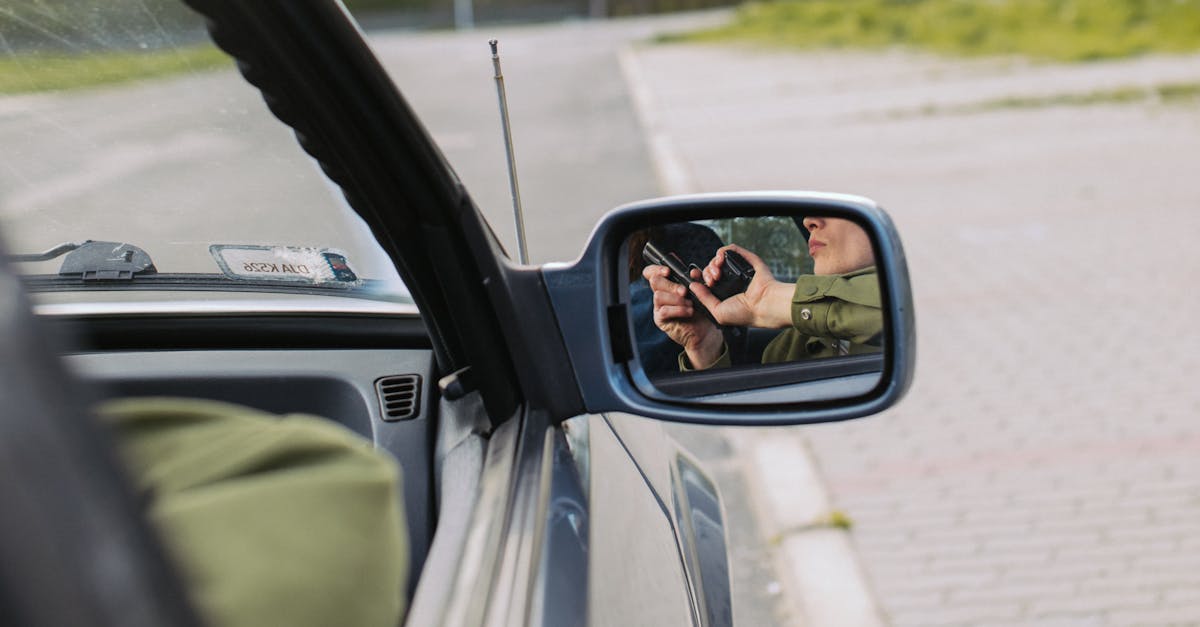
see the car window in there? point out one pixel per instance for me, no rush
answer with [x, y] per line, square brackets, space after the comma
[779, 240]
[122, 124]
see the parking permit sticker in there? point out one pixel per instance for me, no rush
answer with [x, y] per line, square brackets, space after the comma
[283, 263]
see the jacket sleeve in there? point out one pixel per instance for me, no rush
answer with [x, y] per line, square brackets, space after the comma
[724, 361]
[846, 307]
[842, 306]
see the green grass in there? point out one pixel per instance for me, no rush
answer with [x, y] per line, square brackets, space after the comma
[1167, 93]
[1057, 30]
[1178, 91]
[834, 519]
[38, 73]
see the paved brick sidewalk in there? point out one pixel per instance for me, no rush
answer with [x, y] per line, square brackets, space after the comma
[1045, 468]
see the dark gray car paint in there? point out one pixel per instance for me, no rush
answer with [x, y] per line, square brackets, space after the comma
[683, 498]
[700, 521]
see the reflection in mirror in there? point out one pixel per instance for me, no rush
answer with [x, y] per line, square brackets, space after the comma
[722, 307]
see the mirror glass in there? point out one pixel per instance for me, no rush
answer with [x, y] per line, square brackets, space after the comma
[762, 309]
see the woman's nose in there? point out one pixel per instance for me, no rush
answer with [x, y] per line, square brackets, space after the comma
[813, 224]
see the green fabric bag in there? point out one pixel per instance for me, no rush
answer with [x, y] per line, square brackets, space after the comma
[273, 520]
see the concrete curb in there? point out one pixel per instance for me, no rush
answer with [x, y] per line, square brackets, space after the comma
[821, 573]
[818, 562]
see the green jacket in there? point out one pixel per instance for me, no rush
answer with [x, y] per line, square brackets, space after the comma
[273, 520]
[839, 314]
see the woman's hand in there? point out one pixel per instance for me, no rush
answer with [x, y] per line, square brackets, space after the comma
[675, 314]
[766, 303]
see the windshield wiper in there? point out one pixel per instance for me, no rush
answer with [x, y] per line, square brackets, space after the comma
[119, 266]
[96, 261]
[57, 251]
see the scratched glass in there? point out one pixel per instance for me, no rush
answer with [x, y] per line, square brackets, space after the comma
[122, 124]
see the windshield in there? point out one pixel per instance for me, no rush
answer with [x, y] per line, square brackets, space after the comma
[136, 158]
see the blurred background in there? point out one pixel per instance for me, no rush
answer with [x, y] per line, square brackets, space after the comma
[1040, 158]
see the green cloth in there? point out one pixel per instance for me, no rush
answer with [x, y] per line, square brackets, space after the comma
[845, 306]
[835, 314]
[831, 315]
[273, 520]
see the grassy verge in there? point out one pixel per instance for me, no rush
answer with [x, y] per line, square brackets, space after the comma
[1058, 30]
[37, 73]
[1167, 93]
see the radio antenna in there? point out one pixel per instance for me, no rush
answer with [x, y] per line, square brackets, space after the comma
[522, 250]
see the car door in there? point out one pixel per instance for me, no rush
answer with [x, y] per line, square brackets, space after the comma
[536, 538]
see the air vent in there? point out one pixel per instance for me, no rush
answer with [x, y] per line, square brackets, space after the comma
[399, 396]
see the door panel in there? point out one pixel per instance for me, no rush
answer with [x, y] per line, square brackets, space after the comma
[636, 575]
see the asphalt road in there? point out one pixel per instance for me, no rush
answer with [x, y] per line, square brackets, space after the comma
[171, 165]
[578, 145]
[147, 162]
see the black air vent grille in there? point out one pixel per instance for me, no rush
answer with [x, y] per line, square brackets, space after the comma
[399, 396]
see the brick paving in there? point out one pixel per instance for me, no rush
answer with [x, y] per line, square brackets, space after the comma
[1045, 467]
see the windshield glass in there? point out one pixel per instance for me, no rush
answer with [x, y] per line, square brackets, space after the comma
[124, 127]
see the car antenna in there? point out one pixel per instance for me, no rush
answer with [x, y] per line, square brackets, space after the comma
[522, 250]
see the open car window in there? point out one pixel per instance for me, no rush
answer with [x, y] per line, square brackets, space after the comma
[138, 165]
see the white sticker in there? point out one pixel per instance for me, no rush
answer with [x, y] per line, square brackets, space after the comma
[283, 263]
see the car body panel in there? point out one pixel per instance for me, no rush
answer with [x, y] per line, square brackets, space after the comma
[629, 525]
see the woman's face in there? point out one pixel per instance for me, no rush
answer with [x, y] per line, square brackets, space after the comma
[838, 246]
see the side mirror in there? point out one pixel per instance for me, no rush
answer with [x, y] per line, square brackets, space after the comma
[739, 309]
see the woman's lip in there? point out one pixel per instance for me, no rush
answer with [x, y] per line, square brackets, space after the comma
[813, 245]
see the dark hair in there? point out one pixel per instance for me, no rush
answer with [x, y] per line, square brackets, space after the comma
[694, 243]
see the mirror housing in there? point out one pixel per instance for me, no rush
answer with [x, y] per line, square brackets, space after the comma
[590, 301]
